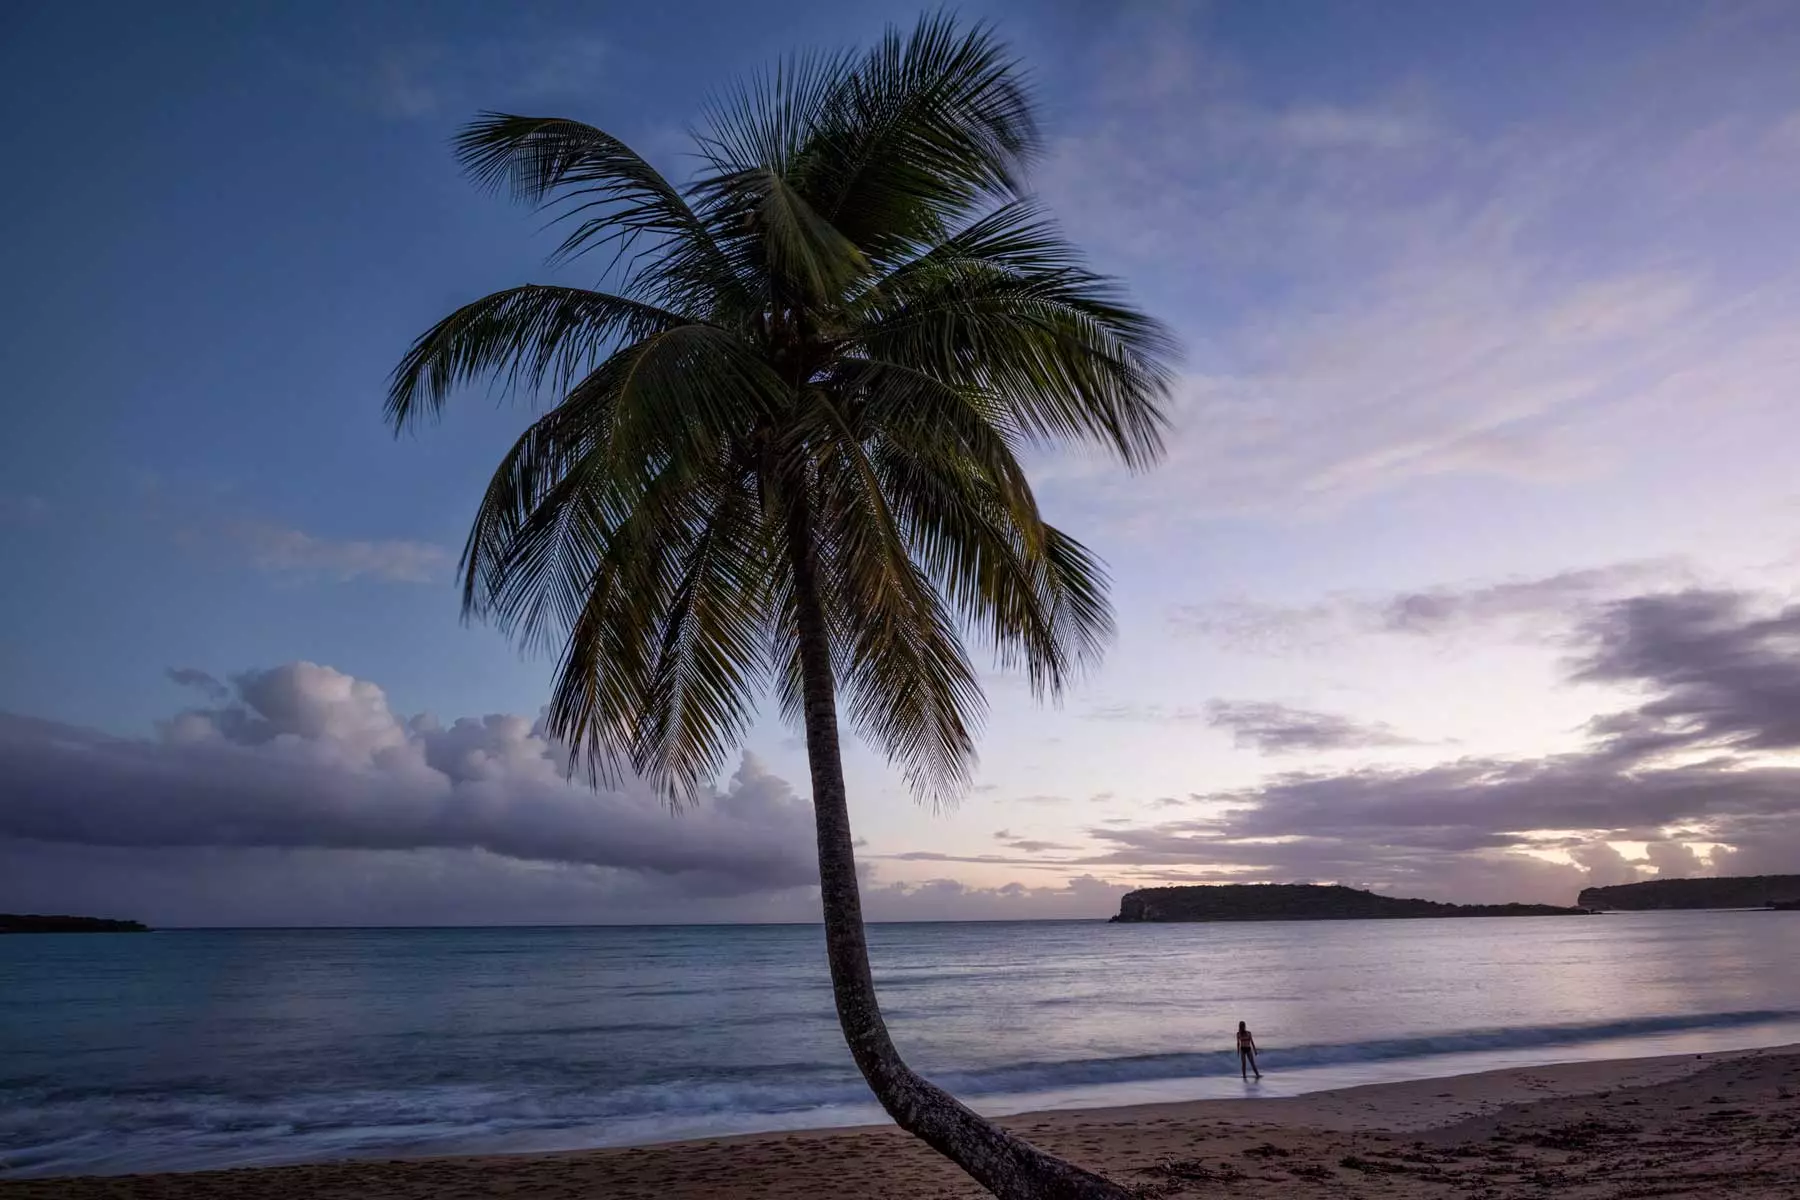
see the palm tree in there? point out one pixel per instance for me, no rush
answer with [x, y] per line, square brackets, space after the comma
[786, 453]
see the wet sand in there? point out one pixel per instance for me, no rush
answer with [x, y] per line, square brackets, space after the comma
[1724, 1125]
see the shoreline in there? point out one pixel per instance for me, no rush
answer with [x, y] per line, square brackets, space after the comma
[1731, 1111]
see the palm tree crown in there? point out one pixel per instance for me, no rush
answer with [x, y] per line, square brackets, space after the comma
[823, 355]
[787, 452]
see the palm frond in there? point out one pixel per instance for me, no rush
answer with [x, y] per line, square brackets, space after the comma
[523, 337]
[910, 405]
[1034, 595]
[709, 667]
[548, 513]
[786, 237]
[928, 126]
[911, 689]
[660, 413]
[1056, 348]
[1016, 238]
[614, 198]
[763, 121]
[596, 701]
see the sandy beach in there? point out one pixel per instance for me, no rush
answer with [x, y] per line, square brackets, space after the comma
[1690, 1125]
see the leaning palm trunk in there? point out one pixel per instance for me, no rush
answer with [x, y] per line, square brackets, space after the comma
[1008, 1166]
[786, 455]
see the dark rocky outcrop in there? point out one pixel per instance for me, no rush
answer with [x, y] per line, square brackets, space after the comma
[33, 923]
[1302, 902]
[1742, 891]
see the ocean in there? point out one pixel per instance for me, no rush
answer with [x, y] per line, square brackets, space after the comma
[181, 1050]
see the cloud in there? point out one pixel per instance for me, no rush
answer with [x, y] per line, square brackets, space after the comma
[1604, 865]
[1025, 845]
[1378, 297]
[193, 677]
[943, 856]
[1264, 726]
[1271, 728]
[281, 550]
[297, 796]
[217, 523]
[175, 886]
[1534, 608]
[1147, 714]
[308, 758]
[1700, 764]
[1330, 127]
[1555, 598]
[1725, 668]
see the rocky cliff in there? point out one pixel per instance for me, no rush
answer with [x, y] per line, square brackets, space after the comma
[1301, 902]
[1744, 891]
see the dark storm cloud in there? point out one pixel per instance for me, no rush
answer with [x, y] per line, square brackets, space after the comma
[1719, 677]
[309, 758]
[1271, 728]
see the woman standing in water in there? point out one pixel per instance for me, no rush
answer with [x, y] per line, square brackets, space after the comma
[1246, 1042]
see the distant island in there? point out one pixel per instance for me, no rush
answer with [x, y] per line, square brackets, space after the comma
[1302, 902]
[33, 923]
[1744, 891]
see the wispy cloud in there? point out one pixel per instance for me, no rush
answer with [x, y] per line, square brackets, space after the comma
[1030, 862]
[221, 523]
[1271, 728]
[1025, 845]
[1145, 714]
[1538, 607]
[282, 550]
[1381, 299]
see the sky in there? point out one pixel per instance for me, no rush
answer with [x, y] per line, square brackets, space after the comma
[1469, 573]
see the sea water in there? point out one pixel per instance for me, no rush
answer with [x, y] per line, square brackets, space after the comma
[213, 1048]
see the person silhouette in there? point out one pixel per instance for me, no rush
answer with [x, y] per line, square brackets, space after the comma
[1246, 1046]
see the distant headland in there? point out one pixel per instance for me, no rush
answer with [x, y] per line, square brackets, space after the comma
[1743, 891]
[33, 923]
[1302, 902]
